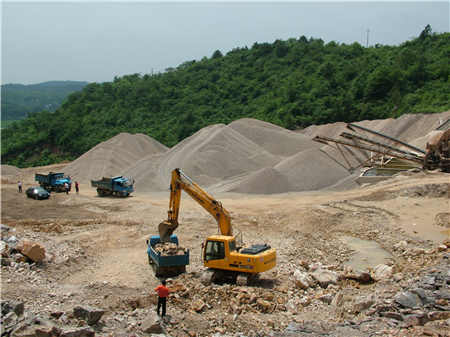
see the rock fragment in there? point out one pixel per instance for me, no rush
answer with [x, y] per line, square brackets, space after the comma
[34, 251]
[89, 314]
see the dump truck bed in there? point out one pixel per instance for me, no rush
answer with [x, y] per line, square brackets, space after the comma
[165, 263]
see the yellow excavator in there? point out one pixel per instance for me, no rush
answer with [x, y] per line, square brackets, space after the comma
[223, 254]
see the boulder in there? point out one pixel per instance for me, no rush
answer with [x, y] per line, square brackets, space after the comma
[4, 231]
[4, 249]
[363, 303]
[302, 280]
[415, 319]
[438, 315]
[78, 332]
[442, 248]
[446, 242]
[382, 272]
[392, 314]
[328, 298]
[152, 324]
[263, 305]
[47, 332]
[34, 251]
[360, 276]
[198, 305]
[325, 277]
[16, 306]
[89, 314]
[408, 299]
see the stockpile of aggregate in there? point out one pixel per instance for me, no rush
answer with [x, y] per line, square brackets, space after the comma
[211, 155]
[113, 157]
[9, 170]
[247, 156]
[239, 157]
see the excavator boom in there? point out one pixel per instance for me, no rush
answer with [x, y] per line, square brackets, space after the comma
[179, 182]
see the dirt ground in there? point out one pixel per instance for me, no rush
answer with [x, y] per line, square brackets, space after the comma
[96, 247]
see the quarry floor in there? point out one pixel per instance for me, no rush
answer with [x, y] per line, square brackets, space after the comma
[96, 248]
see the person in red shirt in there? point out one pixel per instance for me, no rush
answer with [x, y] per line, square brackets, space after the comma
[163, 292]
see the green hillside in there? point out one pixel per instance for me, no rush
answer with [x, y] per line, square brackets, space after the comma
[19, 100]
[293, 83]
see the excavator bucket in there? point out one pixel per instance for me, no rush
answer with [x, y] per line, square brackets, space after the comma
[166, 229]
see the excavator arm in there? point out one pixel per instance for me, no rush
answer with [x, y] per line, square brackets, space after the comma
[181, 182]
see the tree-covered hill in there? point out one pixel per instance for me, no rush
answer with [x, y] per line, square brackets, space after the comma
[18, 100]
[293, 83]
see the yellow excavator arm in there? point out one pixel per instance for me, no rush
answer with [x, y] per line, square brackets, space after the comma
[179, 182]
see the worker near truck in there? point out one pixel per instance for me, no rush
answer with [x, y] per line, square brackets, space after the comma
[162, 292]
[77, 188]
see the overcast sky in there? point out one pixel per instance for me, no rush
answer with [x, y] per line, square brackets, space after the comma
[95, 41]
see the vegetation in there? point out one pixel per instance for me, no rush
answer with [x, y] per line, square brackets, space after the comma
[19, 100]
[293, 83]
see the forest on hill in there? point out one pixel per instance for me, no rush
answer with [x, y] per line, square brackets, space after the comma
[18, 100]
[292, 83]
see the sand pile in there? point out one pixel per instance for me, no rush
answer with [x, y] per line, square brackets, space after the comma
[246, 156]
[113, 157]
[274, 139]
[209, 156]
[9, 170]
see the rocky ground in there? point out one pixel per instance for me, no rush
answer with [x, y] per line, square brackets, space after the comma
[372, 261]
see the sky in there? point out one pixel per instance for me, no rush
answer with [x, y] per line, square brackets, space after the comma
[96, 41]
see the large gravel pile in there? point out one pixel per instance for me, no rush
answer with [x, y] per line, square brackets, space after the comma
[9, 170]
[113, 157]
[247, 156]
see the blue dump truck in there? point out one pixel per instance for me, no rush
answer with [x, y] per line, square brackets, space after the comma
[53, 181]
[167, 259]
[118, 186]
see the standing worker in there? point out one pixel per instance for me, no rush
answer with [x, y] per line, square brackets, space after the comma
[66, 186]
[163, 292]
[19, 184]
[77, 188]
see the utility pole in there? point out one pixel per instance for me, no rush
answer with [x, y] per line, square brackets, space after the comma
[367, 40]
